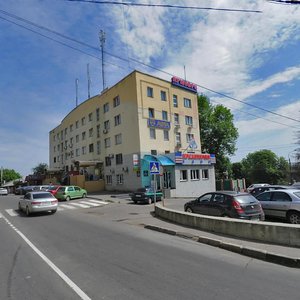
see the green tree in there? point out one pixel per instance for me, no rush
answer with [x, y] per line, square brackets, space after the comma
[217, 133]
[238, 170]
[265, 167]
[10, 175]
[40, 168]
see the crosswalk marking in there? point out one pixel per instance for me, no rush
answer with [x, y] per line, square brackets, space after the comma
[79, 205]
[98, 201]
[66, 206]
[89, 203]
[12, 212]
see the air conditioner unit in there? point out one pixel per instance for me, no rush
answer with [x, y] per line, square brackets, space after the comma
[105, 131]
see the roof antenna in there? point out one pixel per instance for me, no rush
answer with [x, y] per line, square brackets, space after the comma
[76, 84]
[89, 81]
[102, 42]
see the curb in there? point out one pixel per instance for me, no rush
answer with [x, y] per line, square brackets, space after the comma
[246, 251]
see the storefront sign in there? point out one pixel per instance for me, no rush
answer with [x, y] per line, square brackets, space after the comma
[194, 159]
[160, 124]
[184, 84]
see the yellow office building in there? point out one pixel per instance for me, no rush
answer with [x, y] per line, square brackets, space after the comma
[114, 139]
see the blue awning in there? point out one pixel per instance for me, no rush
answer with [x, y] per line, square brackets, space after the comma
[163, 160]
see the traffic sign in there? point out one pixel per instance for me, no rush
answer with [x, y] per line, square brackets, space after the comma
[154, 167]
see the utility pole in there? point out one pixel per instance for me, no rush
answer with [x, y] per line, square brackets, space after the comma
[1, 175]
[76, 84]
[102, 42]
[89, 81]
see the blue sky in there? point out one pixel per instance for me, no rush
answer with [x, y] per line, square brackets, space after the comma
[252, 57]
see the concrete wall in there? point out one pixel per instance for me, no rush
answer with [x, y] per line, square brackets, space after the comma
[281, 234]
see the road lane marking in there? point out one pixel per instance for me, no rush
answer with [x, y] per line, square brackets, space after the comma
[98, 201]
[79, 205]
[62, 275]
[12, 212]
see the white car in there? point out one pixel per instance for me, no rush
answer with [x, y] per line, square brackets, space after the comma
[34, 202]
[3, 192]
[255, 185]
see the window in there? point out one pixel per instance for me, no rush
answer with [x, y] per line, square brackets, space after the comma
[153, 152]
[54, 138]
[77, 152]
[108, 179]
[77, 124]
[83, 150]
[166, 135]
[83, 135]
[195, 175]
[61, 135]
[54, 149]
[71, 142]
[281, 197]
[189, 137]
[77, 138]
[176, 119]
[98, 131]
[58, 148]
[175, 101]
[120, 179]
[98, 147]
[152, 134]
[54, 159]
[205, 174]
[106, 107]
[91, 132]
[91, 148]
[107, 142]
[151, 112]
[117, 120]
[97, 114]
[187, 102]
[107, 161]
[106, 125]
[178, 138]
[118, 139]
[90, 117]
[150, 91]
[119, 159]
[183, 175]
[163, 96]
[83, 121]
[71, 127]
[188, 121]
[116, 101]
[165, 115]
[72, 153]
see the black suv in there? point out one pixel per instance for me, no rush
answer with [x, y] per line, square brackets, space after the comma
[227, 204]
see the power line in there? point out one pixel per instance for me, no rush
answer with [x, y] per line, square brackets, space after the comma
[166, 6]
[132, 59]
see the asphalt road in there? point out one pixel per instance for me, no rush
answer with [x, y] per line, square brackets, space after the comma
[104, 253]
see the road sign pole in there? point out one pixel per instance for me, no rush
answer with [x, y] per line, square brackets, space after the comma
[155, 189]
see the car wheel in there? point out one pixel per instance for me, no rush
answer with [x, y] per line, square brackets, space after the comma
[27, 211]
[68, 198]
[189, 210]
[293, 217]
[84, 195]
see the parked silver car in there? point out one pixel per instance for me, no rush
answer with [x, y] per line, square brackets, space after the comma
[281, 204]
[34, 202]
[3, 192]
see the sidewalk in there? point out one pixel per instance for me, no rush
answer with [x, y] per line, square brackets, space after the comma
[283, 255]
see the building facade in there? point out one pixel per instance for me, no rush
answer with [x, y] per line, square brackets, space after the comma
[115, 136]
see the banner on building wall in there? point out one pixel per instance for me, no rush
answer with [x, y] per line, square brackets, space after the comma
[194, 159]
[159, 124]
[136, 162]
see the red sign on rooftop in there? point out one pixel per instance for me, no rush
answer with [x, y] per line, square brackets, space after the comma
[184, 84]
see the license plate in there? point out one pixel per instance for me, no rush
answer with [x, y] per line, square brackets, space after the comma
[45, 203]
[138, 196]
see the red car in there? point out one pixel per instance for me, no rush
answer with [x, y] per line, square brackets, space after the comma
[53, 189]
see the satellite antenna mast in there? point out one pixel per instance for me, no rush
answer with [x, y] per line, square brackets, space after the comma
[184, 72]
[89, 80]
[76, 84]
[102, 42]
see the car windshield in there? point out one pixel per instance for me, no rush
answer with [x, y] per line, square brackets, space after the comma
[42, 196]
[245, 198]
